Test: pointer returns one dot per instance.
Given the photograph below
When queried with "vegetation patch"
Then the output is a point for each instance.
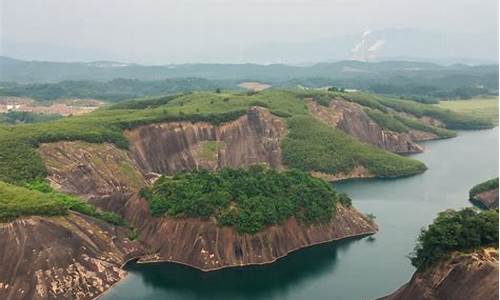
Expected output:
(482, 108)
(38, 198)
(16, 117)
(313, 146)
(19, 162)
(414, 124)
(387, 121)
(246, 199)
(209, 149)
(451, 119)
(463, 230)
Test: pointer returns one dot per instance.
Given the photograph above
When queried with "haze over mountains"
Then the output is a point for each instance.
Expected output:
(379, 45)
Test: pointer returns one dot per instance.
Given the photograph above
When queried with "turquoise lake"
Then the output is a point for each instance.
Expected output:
(349, 269)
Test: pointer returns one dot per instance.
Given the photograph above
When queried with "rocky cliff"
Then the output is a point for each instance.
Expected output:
(353, 120)
(169, 147)
(198, 243)
(68, 257)
(465, 276)
(205, 246)
(487, 199)
(78, 257)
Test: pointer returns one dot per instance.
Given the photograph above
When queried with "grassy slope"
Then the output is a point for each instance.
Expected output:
(451, 119)
(314, 146)
(485, 108)
(19, 161)
(39, 198)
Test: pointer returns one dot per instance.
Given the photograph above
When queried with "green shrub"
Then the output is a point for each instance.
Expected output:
(15, 117)
(386, 121)
(414, 124)
(144, 103)
(281, 114)
(38, 197)
(247, 199)
(463, 230)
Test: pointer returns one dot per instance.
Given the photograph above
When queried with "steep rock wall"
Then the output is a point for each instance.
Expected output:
(463, 277)
(351, 118)
(169, 147)
(204, 245)
(188, 241)
(69, 257)
(101, 173)
(111, 178)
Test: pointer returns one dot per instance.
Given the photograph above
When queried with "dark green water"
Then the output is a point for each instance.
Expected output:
(346, 270)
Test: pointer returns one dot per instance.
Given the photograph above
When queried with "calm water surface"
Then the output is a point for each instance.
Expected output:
(345, 270)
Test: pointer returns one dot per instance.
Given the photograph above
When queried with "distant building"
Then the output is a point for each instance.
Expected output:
(11, 107)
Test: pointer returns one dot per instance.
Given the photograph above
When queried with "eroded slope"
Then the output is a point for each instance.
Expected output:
(462, 277)
(353, 120)
(167, 148)
(67, 257)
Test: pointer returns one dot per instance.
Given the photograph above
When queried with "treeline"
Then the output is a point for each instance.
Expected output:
(114, 90)
(463, 230)
(16, 117)
(246, 199)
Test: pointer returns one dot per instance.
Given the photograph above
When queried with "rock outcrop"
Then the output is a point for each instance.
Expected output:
(486, 199)
(205, 246)
(68, 257)
(78, 257)
(465, 276)
(353, 120)
(170, 147)
(198, 243)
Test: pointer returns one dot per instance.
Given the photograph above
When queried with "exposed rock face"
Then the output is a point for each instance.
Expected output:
(188, 241)
(169, 147)
(111, 178)
(69, 257)
(96, 172)
(351, 118)
(204, 245)
(463, 277)
(487, 199)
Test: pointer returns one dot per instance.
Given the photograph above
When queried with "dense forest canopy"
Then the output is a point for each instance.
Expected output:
(246, 199)
(463, 230)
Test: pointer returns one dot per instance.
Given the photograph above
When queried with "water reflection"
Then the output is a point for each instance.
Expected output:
(345, 270)
(255, 282)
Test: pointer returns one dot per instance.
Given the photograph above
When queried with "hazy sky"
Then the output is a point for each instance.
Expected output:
(163, 31)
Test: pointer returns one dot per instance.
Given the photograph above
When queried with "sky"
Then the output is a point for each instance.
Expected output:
(189, 31)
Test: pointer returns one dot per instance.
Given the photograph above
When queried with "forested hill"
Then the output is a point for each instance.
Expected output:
(416, 80)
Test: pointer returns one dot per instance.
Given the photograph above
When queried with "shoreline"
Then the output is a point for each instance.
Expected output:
(166, 261)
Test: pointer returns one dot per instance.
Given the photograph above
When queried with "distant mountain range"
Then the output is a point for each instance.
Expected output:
(37, 71)
(116, 81)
